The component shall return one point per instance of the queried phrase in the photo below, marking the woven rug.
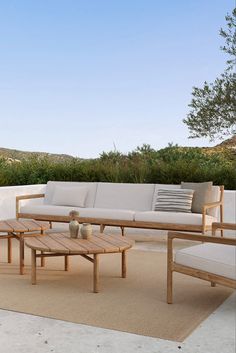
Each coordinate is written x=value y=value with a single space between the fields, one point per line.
x=136 y=304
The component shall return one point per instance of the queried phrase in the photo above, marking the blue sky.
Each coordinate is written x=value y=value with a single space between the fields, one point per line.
x=83 y=77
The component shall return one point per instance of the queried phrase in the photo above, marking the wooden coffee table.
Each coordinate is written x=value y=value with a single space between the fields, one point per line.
x=60 y=244
x=19 y=229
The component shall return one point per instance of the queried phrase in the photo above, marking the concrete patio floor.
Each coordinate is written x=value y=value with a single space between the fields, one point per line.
x=24 y=333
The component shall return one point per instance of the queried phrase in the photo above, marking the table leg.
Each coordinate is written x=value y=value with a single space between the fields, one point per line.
x=66 y=263
x=22 y=247
x=33 y=266
x=9 y=250
x=123 y=265
x=42 y=260
x=95 y=273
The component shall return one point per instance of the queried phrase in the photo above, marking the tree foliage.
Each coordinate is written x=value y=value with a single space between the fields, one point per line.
x=213 y=107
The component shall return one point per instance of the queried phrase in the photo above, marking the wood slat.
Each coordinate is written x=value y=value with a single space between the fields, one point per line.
x=77 y=245
x=36 y=244
x=22 y=226
x=90 y=247
x=4 y=227
x=42 y=225
x=108 y=247
x=121 y=238
x=52 y=243
x=46 y=243
x=64 y=240
x=30 y=225
x=17 y=226
x=115 y=240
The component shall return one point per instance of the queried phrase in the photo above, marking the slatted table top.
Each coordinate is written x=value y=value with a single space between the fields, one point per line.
x=96 y=244
x=22 y=226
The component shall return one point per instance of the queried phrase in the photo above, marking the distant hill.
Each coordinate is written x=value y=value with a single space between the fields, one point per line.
x=16 y=155
x=230 y=143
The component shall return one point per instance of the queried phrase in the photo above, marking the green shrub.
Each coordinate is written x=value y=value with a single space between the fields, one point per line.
x=170 y=165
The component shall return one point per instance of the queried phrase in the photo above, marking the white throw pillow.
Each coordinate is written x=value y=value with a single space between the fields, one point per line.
x=70 y=196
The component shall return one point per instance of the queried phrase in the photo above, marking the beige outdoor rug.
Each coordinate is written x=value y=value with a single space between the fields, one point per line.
x=136 y=304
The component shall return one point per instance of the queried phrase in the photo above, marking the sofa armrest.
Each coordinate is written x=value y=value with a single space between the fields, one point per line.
x=25 y=197
x=207 y=206
x=211 y=205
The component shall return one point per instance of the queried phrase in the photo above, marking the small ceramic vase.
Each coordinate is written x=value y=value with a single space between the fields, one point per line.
x=86 y=230
x=74 y=224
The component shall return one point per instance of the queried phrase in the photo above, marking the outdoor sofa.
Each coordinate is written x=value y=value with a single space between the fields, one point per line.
x=120 y=204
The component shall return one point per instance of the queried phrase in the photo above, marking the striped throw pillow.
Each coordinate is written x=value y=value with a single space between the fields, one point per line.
x=174 y=200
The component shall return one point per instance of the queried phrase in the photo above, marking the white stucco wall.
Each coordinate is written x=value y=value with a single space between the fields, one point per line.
x=230 y=206
x=8 y=200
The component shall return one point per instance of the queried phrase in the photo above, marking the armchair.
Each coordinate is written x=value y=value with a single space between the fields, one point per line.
x=213 y=260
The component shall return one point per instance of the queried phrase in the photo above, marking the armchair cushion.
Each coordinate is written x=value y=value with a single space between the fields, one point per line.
x=219 y=259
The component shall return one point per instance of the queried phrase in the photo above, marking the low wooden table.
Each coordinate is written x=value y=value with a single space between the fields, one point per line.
x=60 y=244
x=19 y=229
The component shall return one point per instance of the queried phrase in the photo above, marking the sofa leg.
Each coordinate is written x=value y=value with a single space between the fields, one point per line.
x=50 y=224
x=122 y=231
x=213 y=284
x=169 y=286
x=102 y=227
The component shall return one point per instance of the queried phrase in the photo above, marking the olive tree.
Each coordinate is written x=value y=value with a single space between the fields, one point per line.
x=213 y=107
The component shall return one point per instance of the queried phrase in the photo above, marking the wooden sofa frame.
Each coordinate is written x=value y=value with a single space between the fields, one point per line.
x=123 y=223
x=207 y=276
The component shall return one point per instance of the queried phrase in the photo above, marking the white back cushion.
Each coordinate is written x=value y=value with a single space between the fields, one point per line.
x=137 y=197
x=72 y=196
x=214 y=197
x=92 y=189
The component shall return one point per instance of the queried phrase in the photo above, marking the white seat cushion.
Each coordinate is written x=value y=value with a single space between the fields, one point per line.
x=83 y=212
x=107 y=213
x=48 y=209
x=172 y=217
x=214 y=258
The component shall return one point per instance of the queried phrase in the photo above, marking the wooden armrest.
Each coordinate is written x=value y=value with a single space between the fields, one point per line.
x=26 y=197
x=211 y=205
x=31 y=196
x=217 y=203
x=201 y=238
x=221 y=225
